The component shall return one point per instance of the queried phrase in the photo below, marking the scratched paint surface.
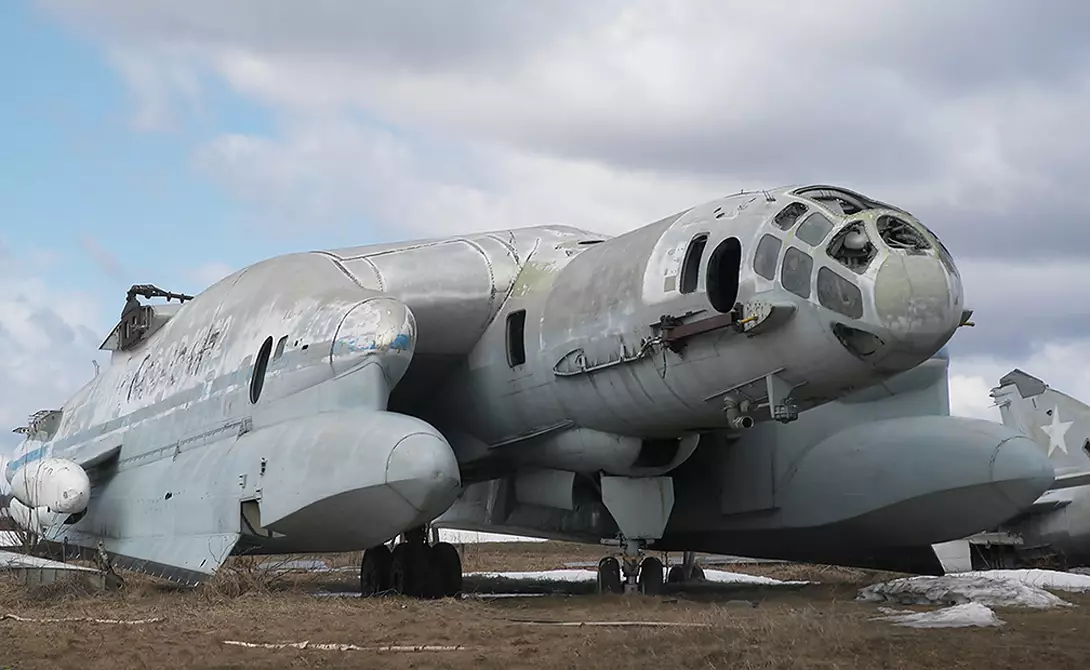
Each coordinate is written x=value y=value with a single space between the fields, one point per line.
x=440 y=308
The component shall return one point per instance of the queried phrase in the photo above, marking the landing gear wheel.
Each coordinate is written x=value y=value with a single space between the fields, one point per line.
x=375 y=571
x=677 y=575
x=447 y=566
x=609 y=576
x=409 y=568
x=650 y=579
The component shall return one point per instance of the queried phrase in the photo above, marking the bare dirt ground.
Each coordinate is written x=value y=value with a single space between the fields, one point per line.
x=815 y=626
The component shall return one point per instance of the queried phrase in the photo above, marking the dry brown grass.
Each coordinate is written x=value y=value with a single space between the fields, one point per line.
x=812 y=627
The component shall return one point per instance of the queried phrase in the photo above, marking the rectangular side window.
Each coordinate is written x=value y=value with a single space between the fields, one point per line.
x=280 y=348
x=516 y=338
x=768 y=252
x=795 y=275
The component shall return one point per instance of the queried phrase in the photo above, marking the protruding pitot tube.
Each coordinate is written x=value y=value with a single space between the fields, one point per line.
x=380 y=329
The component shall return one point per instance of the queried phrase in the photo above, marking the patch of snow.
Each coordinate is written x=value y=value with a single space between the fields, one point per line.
x=724 y=577
x=958 y=616
x=717 y=576
x=306 y=565
x=13 y=561
x=455 y=536
x=542 y=576
x=961 y=589
x=1046 y=579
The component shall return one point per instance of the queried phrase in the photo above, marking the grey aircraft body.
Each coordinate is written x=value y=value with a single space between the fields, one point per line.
x=1055 y=529
x=545 y=379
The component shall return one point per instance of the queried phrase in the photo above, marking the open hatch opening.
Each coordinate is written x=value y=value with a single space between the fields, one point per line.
x=724 y=269
x=690 y=269
x=516 y=338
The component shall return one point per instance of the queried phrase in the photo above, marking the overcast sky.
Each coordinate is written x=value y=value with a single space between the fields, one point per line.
x=172 y=142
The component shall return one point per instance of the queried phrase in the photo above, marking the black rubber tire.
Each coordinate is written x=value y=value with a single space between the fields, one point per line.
x=609 y=576
x=446 y=563
x=650 y=577
x=409 y=569
x=676 y=575
x=375 y=571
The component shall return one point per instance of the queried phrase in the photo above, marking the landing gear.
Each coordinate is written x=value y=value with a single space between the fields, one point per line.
x=641 y=508
x=687 y=572
x=375 y=571
x=414 y=568
x=609 y=576
x=649 y=581
x=644 y=576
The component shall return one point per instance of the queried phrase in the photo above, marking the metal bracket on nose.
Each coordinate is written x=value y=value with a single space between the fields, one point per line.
x=780 y=404
x=747 y=318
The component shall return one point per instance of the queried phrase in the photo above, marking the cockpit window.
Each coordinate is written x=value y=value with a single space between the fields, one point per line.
x=852 y=247
x=814 y=229
x=797 y=267
x=944 y=253
x=839 y=294
x=901 y=235
x=839 y=201
x=789 y=215
x=764 y=259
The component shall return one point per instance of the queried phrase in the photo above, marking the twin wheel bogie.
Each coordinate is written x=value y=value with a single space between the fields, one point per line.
x=415 y=569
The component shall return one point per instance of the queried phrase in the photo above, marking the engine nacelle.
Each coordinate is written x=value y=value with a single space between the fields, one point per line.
x=58 y=484
x=35 y=520
x=586 y=450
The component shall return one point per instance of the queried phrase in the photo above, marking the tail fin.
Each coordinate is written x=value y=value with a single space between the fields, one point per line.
x=1056 y=421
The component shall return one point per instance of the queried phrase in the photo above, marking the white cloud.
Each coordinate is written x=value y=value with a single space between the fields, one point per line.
x=210 y=273
x=1061 y=365
x=49 y=339
x=336 y=169
x=412 y=122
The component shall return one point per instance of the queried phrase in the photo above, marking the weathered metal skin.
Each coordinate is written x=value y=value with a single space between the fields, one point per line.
x=177 y=438
x=871 y=480
x=331 y=400
x=594 y=309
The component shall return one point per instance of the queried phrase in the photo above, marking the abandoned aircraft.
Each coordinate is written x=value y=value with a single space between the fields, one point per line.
x=1055 y=530
x=334 y=400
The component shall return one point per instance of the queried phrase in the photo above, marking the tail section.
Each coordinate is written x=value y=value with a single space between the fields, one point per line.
x=1056 y=421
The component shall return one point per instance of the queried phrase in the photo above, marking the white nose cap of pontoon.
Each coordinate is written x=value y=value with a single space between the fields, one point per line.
x=423 y=470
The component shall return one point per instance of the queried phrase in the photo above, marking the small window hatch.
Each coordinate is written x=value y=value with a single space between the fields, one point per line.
x=257 y=382
x=690 y=269
x=516 y=338
x=280 y=348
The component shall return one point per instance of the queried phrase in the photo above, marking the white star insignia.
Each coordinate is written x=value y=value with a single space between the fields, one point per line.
x=1056 y=432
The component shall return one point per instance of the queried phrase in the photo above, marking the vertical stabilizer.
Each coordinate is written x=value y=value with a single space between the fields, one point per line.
x=1056 y=421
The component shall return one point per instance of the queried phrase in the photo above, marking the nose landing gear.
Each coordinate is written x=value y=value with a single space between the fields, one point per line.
x=641 y=507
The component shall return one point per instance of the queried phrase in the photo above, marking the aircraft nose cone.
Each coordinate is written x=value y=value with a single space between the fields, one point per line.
x=1021 y=470
x=918 y=302
x=423 y=470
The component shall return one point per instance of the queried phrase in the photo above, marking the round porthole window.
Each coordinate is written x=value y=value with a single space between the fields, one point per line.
x=257 y=382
